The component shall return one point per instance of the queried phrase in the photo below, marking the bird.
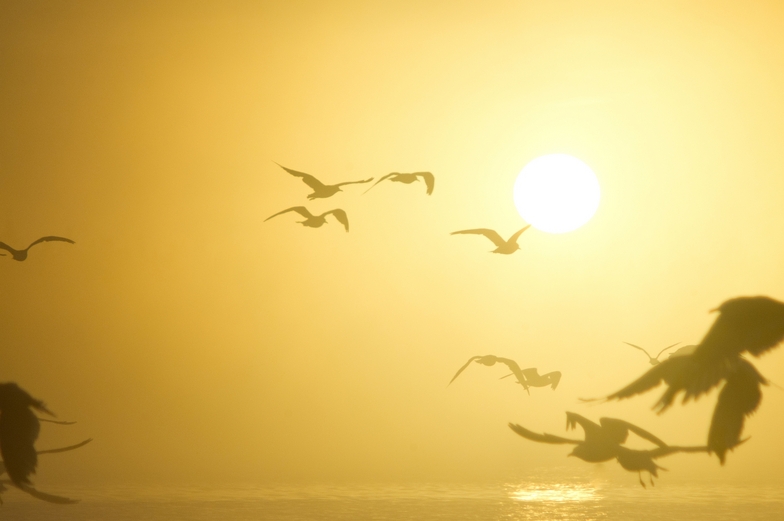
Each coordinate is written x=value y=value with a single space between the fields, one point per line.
x=534 y=379
x=314 y=221
x=751 y=325
x=20 y=255
x=604 y=441
x=490 y=360
x=19 y=429
x=652 y=360
x=502 y=246
x=397 y=177
x=320 y=190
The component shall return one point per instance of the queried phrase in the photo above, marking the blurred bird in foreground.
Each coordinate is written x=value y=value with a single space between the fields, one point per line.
x=652 y=360
x=745 y=324
x=320 y=190
x=20 y=255
x=604 y=441
x=502 y=246
x=397 y=177
x=314 y=221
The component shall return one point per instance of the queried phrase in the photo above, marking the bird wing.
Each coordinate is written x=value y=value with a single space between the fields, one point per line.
x=299 y=209
x=354 y=182
x=666 y=348
x=65 y=449
x=514 y=237
x=6 y=247
x=753 y=324
x=430 y=180
x=650 y=379
x=640 y=348
x=50 y=498
x=308 y=179
x=55 y=421
x=555 y=378
x=542 y=438
x=18 y=431
x=515 y=368
x=490 y=234
x=619 y=431
x=592 y=430
x=50 y=238
x=739 y=397
x=463 y=368
x=666 y=450
x=374 y=184
x=340 y=215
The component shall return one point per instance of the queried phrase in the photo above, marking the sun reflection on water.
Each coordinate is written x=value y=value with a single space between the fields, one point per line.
x=555 y=493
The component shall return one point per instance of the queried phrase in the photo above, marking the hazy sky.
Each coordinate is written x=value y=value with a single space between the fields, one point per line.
x=194 y=341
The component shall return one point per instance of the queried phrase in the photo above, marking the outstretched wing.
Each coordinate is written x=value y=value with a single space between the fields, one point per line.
x=514 y=237
x=354 y=182
x=739 y=398
x=374 y=184
x=640 y=348
x=666 y=348
x=50 y=238
x=340 y=215
x=592 y=430
x=299 y=209
x=66 y=449
x=490 y=234
x=6 y=247
x=555 y=378
x=515 y=368
x=660 y=452
x=18 y=431
x=618 y=431
x=50 y=498
x=308 y=179
x=55 y=421
x=542 y=438
x=753 y=324
x=463 y=368
x=430 y=180
x=652 y=378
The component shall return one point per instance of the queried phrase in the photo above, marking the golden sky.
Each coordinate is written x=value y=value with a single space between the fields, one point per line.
x=193 y=340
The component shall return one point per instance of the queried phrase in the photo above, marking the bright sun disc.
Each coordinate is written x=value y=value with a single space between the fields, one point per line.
x=556 y=193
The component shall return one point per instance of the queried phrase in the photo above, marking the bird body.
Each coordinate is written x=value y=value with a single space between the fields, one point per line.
x=397 y=177
x=320 y=190
x=314 y=221
x=20 y=255
x=505 y=247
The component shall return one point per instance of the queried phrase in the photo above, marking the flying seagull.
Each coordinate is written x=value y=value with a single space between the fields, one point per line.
x=502 y=246
x=745 y=324
x=314 y=221
x=652 y=360
x=20 y=255
x=490 y=360
x=603 y=442
x=534 y=379
x=397 y=177
x=320 y=190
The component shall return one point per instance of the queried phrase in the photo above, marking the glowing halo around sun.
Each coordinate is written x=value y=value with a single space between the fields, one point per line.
x=556 y=193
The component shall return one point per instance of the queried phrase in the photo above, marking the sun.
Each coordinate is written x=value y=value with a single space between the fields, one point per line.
x=556 y=193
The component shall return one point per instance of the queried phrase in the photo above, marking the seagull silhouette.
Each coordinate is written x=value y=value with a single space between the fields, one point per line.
x=320 y=190
x=603 y=442
x=490 y=360
x=745 y=324
x=502 y=246
x=20 y=255
x=314 y=221
x=397 y=177
x=534 y=379
x=652 y=360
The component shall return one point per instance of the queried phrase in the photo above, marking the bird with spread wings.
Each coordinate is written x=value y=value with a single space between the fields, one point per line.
x=506 y=247
x=397 y=177
x=320 y=190
x=753 y=325
x=20 y=255
x=314 y=221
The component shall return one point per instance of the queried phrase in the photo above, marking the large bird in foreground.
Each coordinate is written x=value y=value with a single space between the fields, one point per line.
x=490 y=360
x=320 y=190
x=314 y=221
x=652 y=360
x=745 y=324
x=20 y=255
x=506 y=247
x=604 y=441
x=397 y=177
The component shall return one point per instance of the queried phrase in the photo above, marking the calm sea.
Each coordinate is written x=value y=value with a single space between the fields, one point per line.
x=523 y=500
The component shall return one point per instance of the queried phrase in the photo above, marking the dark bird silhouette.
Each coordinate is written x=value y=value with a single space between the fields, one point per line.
x=490 y=360
x=745 y=324
x=502 y=246
x=314 y=221
x=652 y=360
x=20 y=255
x=534 y=379
x=604 y=441
x=19 y=429
x=397 y=177
x=320 y=190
